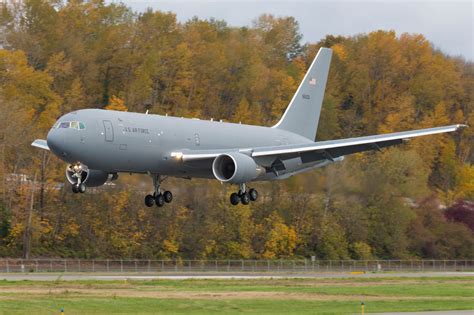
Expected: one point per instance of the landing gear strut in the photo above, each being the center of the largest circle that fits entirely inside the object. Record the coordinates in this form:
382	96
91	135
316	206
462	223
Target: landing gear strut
158	198
79	186
243	196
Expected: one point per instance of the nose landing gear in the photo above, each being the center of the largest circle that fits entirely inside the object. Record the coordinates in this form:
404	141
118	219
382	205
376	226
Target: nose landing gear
158	197
243	196
78	186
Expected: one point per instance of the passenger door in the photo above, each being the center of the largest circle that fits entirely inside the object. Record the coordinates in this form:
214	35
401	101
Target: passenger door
109	131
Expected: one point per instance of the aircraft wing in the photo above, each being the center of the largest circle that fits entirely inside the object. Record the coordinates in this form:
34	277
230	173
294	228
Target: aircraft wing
323	150
40	143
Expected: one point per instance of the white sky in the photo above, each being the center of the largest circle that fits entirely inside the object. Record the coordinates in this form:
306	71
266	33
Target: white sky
449	25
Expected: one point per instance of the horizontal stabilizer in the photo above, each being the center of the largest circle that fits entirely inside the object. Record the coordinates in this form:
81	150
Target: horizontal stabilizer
40	143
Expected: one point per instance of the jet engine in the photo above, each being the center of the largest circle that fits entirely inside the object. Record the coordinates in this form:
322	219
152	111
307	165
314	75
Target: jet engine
92	178
236	168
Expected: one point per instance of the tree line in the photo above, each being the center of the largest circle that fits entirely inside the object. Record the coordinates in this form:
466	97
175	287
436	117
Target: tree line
412	201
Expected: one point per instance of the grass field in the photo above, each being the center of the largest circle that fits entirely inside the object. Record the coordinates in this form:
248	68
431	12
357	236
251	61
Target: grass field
266	296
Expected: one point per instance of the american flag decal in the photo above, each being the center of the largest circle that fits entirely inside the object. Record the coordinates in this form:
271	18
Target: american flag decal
312	81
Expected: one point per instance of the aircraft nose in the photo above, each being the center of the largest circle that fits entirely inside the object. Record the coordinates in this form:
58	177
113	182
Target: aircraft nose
55	142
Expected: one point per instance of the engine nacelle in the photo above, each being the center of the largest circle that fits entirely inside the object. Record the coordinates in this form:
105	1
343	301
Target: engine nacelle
92	178
236	168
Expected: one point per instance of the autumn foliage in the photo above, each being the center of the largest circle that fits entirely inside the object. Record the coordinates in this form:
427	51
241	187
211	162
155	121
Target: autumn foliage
61	56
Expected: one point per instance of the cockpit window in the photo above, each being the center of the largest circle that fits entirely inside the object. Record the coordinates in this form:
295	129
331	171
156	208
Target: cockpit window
79	125
64	124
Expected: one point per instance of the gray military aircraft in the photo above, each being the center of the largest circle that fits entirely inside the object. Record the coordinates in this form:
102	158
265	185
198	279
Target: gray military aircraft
99	144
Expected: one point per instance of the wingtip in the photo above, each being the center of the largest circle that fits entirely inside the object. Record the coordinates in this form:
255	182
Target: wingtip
459	126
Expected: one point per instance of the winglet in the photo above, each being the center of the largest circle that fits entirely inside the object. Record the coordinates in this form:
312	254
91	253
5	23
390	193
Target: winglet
40	143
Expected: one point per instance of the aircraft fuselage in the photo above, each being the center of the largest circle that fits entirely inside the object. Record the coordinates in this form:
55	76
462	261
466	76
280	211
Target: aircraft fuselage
115	141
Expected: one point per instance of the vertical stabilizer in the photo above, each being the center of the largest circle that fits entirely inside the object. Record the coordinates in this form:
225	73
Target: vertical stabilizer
302	114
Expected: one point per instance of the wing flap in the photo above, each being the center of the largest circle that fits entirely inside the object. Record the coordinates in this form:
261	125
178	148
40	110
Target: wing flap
333	153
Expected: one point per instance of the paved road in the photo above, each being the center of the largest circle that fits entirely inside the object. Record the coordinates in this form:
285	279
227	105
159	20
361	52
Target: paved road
430	313
222	275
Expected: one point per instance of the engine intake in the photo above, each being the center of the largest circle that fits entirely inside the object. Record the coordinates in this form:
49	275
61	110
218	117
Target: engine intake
236	168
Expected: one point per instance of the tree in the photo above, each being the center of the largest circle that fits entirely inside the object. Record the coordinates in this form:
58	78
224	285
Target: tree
434	237
116	104
279	239
332	243
281	35
362	251
463	212
242	112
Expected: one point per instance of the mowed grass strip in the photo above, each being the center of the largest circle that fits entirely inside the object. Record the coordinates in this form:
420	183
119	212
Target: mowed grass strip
74	305
394	287
266	296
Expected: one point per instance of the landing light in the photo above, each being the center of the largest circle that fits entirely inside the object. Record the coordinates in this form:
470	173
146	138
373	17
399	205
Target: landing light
77	167
177	155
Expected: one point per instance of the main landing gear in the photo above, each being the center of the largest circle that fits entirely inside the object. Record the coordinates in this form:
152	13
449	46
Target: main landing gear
243	196
158	197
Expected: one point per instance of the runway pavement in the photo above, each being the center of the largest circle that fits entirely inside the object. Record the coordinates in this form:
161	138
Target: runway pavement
214	275
471	312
